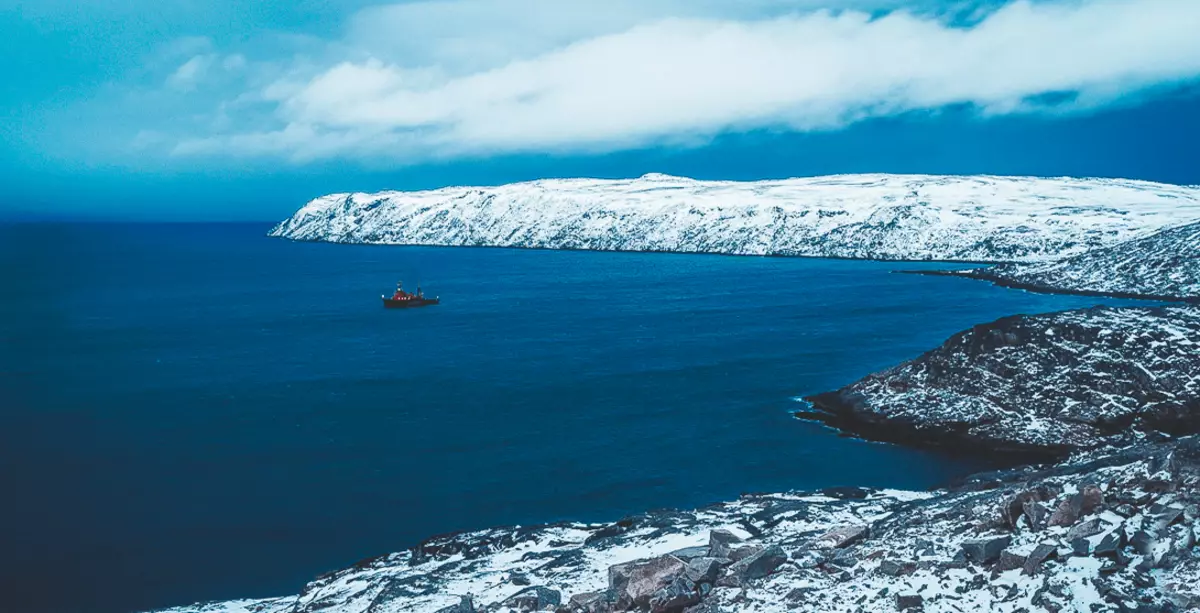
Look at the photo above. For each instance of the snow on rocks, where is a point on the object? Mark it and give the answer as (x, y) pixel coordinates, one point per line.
(949, 550)
(1042, 384)
(894, 217)
(1165, 265)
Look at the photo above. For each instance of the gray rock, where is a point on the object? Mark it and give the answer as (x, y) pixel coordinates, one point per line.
(1036, 514)
(721, 543)
(756, 566)
(1088, 528)
(1110, 544)
(535, 598)
(680, 593)
(1081, 547)
(985, 551)
(688, 553)
(705, 570)
(1040, 554)
(891, 568)
(634, 583)
(1068, 512)
(745, 551)
(1093, 497)
(1142, 542)
(1009, 560)
(590, 602)
(909, 601)
(518, 579)
(842, 536)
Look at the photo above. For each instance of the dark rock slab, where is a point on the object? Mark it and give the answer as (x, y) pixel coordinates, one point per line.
(535, 598)
(985, 551)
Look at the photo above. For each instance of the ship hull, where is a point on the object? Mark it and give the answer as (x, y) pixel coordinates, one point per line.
(390, 303)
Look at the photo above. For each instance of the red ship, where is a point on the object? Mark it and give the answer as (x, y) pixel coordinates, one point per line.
(403, 300)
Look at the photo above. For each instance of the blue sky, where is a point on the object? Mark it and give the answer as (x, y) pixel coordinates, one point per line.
(217, 109)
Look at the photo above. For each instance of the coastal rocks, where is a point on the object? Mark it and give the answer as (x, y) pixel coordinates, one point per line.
(892, 217)
(1164, 265)
(949, 547)
(1037, 385)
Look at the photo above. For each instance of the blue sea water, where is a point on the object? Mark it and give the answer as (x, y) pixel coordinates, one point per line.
(193, 412)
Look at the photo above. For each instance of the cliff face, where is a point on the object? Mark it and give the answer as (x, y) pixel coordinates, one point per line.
(1044, 383)
(992, 219)
(1111, 532)
(1164, 265)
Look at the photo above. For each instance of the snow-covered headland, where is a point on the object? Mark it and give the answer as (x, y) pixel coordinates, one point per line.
(890, 217)
(1164, 265)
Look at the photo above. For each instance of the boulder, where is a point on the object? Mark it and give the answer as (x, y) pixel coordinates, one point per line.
(1092, 498)
(1040, 554)
(842, 536)
(721, 543)
(908, 601)
(756, 566)
(1021, 504)
(689, 553)
(1068, 512)
(589, 602)
(633, 584)
(1110, 544)
(1009, 561)
(985, 551)
(891, 568)
(1088, 528)
(1142, 542)
(1081, 547)
(535, 598)
(705, 570)
(1035, 514)
(679, 594)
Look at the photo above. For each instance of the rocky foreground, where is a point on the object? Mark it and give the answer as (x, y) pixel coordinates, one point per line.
(1104, 532)
(1163, 266)
(889, 217)
(1042, 384)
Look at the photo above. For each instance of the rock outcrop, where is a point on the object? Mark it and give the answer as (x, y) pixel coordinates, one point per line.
(1043, 384)
(974, 547)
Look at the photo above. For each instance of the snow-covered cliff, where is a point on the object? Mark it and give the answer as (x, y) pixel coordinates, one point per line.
(982, 218)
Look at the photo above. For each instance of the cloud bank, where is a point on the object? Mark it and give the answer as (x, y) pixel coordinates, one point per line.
(460, 78)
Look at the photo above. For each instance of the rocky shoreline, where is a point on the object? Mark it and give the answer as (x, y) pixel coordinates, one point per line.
(1043, 385)
(1109, 531)
(1164, 266)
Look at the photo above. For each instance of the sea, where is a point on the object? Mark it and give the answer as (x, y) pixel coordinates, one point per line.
(192, 412)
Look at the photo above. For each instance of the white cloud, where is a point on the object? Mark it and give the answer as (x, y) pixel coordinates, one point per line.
(555, 81)
(189, 73)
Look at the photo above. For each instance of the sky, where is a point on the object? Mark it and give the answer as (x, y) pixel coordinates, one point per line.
(228, 110)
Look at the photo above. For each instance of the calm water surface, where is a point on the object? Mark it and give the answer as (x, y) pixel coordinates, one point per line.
(193, 412)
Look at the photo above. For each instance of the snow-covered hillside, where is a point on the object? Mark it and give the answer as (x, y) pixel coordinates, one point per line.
(916, 217)
(1163, 265)
(1113, 532)
(1075, 379)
